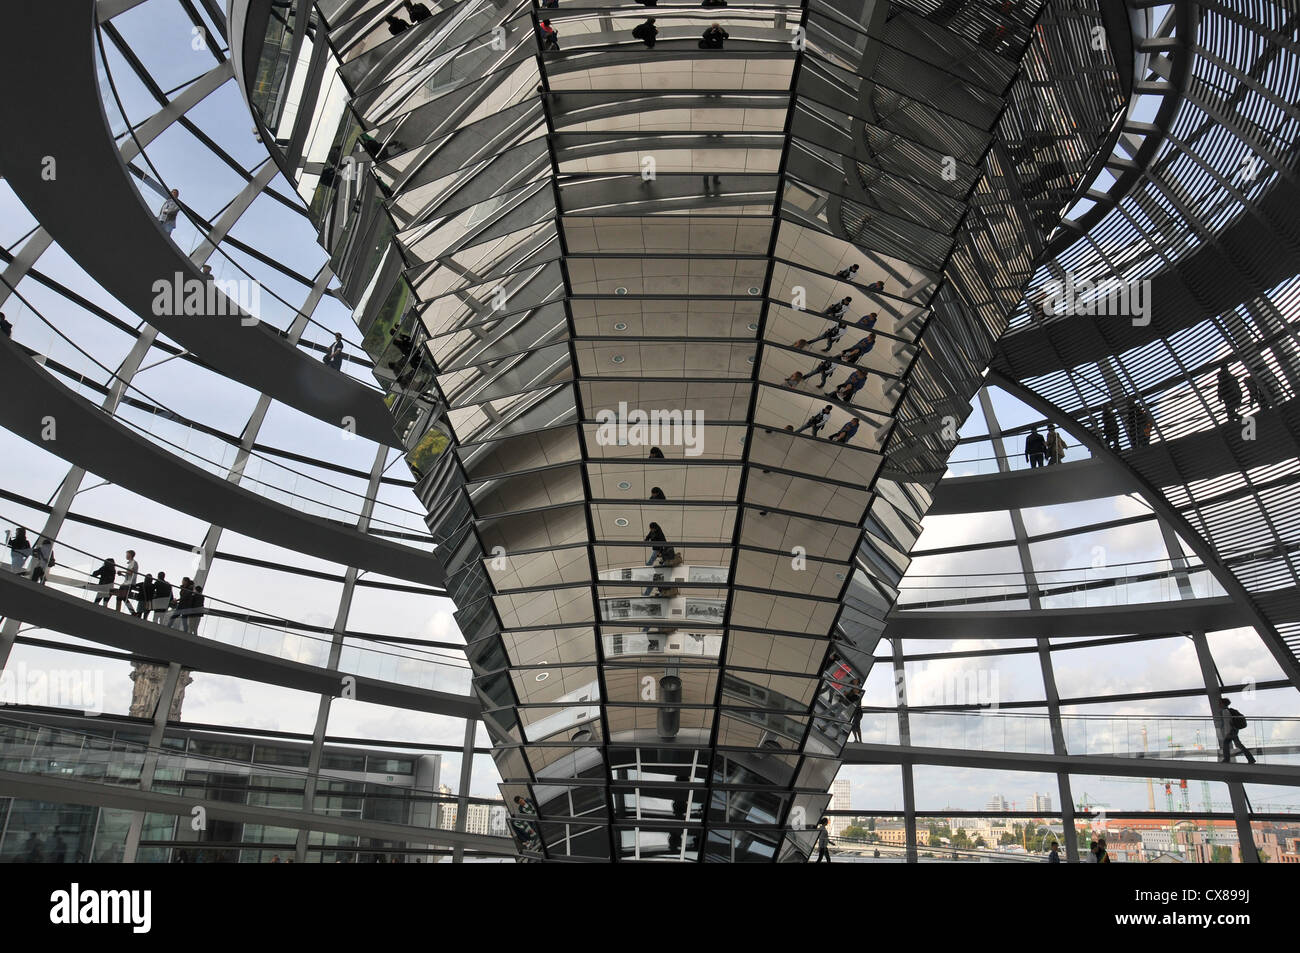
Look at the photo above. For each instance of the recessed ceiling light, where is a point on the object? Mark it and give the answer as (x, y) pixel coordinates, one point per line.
(750, 359)
(620, 291)
(617, 359)
(839, 576)
(542, 676)
(620, 522)
(620, 326)
(753, 327)
(754, 291)
(625, 486)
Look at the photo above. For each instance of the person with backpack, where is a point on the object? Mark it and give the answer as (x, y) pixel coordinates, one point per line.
(1055, 445)
(334, 356)
(830, 336)
(817, 421)
(1233, 722)
(550, 37)
(42, 559)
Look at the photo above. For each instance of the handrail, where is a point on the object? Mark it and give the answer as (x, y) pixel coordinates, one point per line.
(257, 619)
(164, 415)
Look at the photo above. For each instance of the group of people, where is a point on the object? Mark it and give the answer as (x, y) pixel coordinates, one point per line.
(180, 608)
(1040, 451)
(1137, 420)
(713, 38)
(819, 420)
(850, 355)
(416, 11)
(34, 562)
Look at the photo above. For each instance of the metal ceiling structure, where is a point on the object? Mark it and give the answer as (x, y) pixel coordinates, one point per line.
(596, 287)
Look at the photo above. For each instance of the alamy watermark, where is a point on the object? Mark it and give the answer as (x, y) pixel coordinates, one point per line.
(78, 689)
(1108, 297)
(936, 688)
(654, 428)
(179, 295)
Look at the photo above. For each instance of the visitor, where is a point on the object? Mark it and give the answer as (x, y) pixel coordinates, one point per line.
(334, 356)
(1035, 448)
(396, 26)
(845, 433)
(656, 535)
(144, 596)
(824, 369)
(849, 389)
(1139, 423)
(1232, 721)
(714, 37)
(550, 37)
(868, 321)
(418, 12)
(196, 614)
(162, 598)
(170, 209)
(106, 575)
(837, 308)
(847, 274)
(855, 353)
(657, 494)
(876, 286)
(129, 570)
(646, 32)
(6, 326)
(1230, 394)
(1258, 398)
(182, 606)
(1102, 856)
(1110, 428)
(795, 379)
(1091, 858)
(656, 453)
(42, 560)
(823, 840)
(817, 421)
(1055, 445)
(20, 547)
(1053, 855)
(830, 336)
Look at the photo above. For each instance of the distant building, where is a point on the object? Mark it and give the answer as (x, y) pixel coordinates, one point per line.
(841, 792)
(997, 804)
(1040, 803)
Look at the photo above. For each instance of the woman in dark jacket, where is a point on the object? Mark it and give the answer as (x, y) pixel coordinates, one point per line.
(106, 574)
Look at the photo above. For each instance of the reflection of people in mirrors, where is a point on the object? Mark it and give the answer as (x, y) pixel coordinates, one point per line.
(656, 453)
(658, 554)
(657, 494)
